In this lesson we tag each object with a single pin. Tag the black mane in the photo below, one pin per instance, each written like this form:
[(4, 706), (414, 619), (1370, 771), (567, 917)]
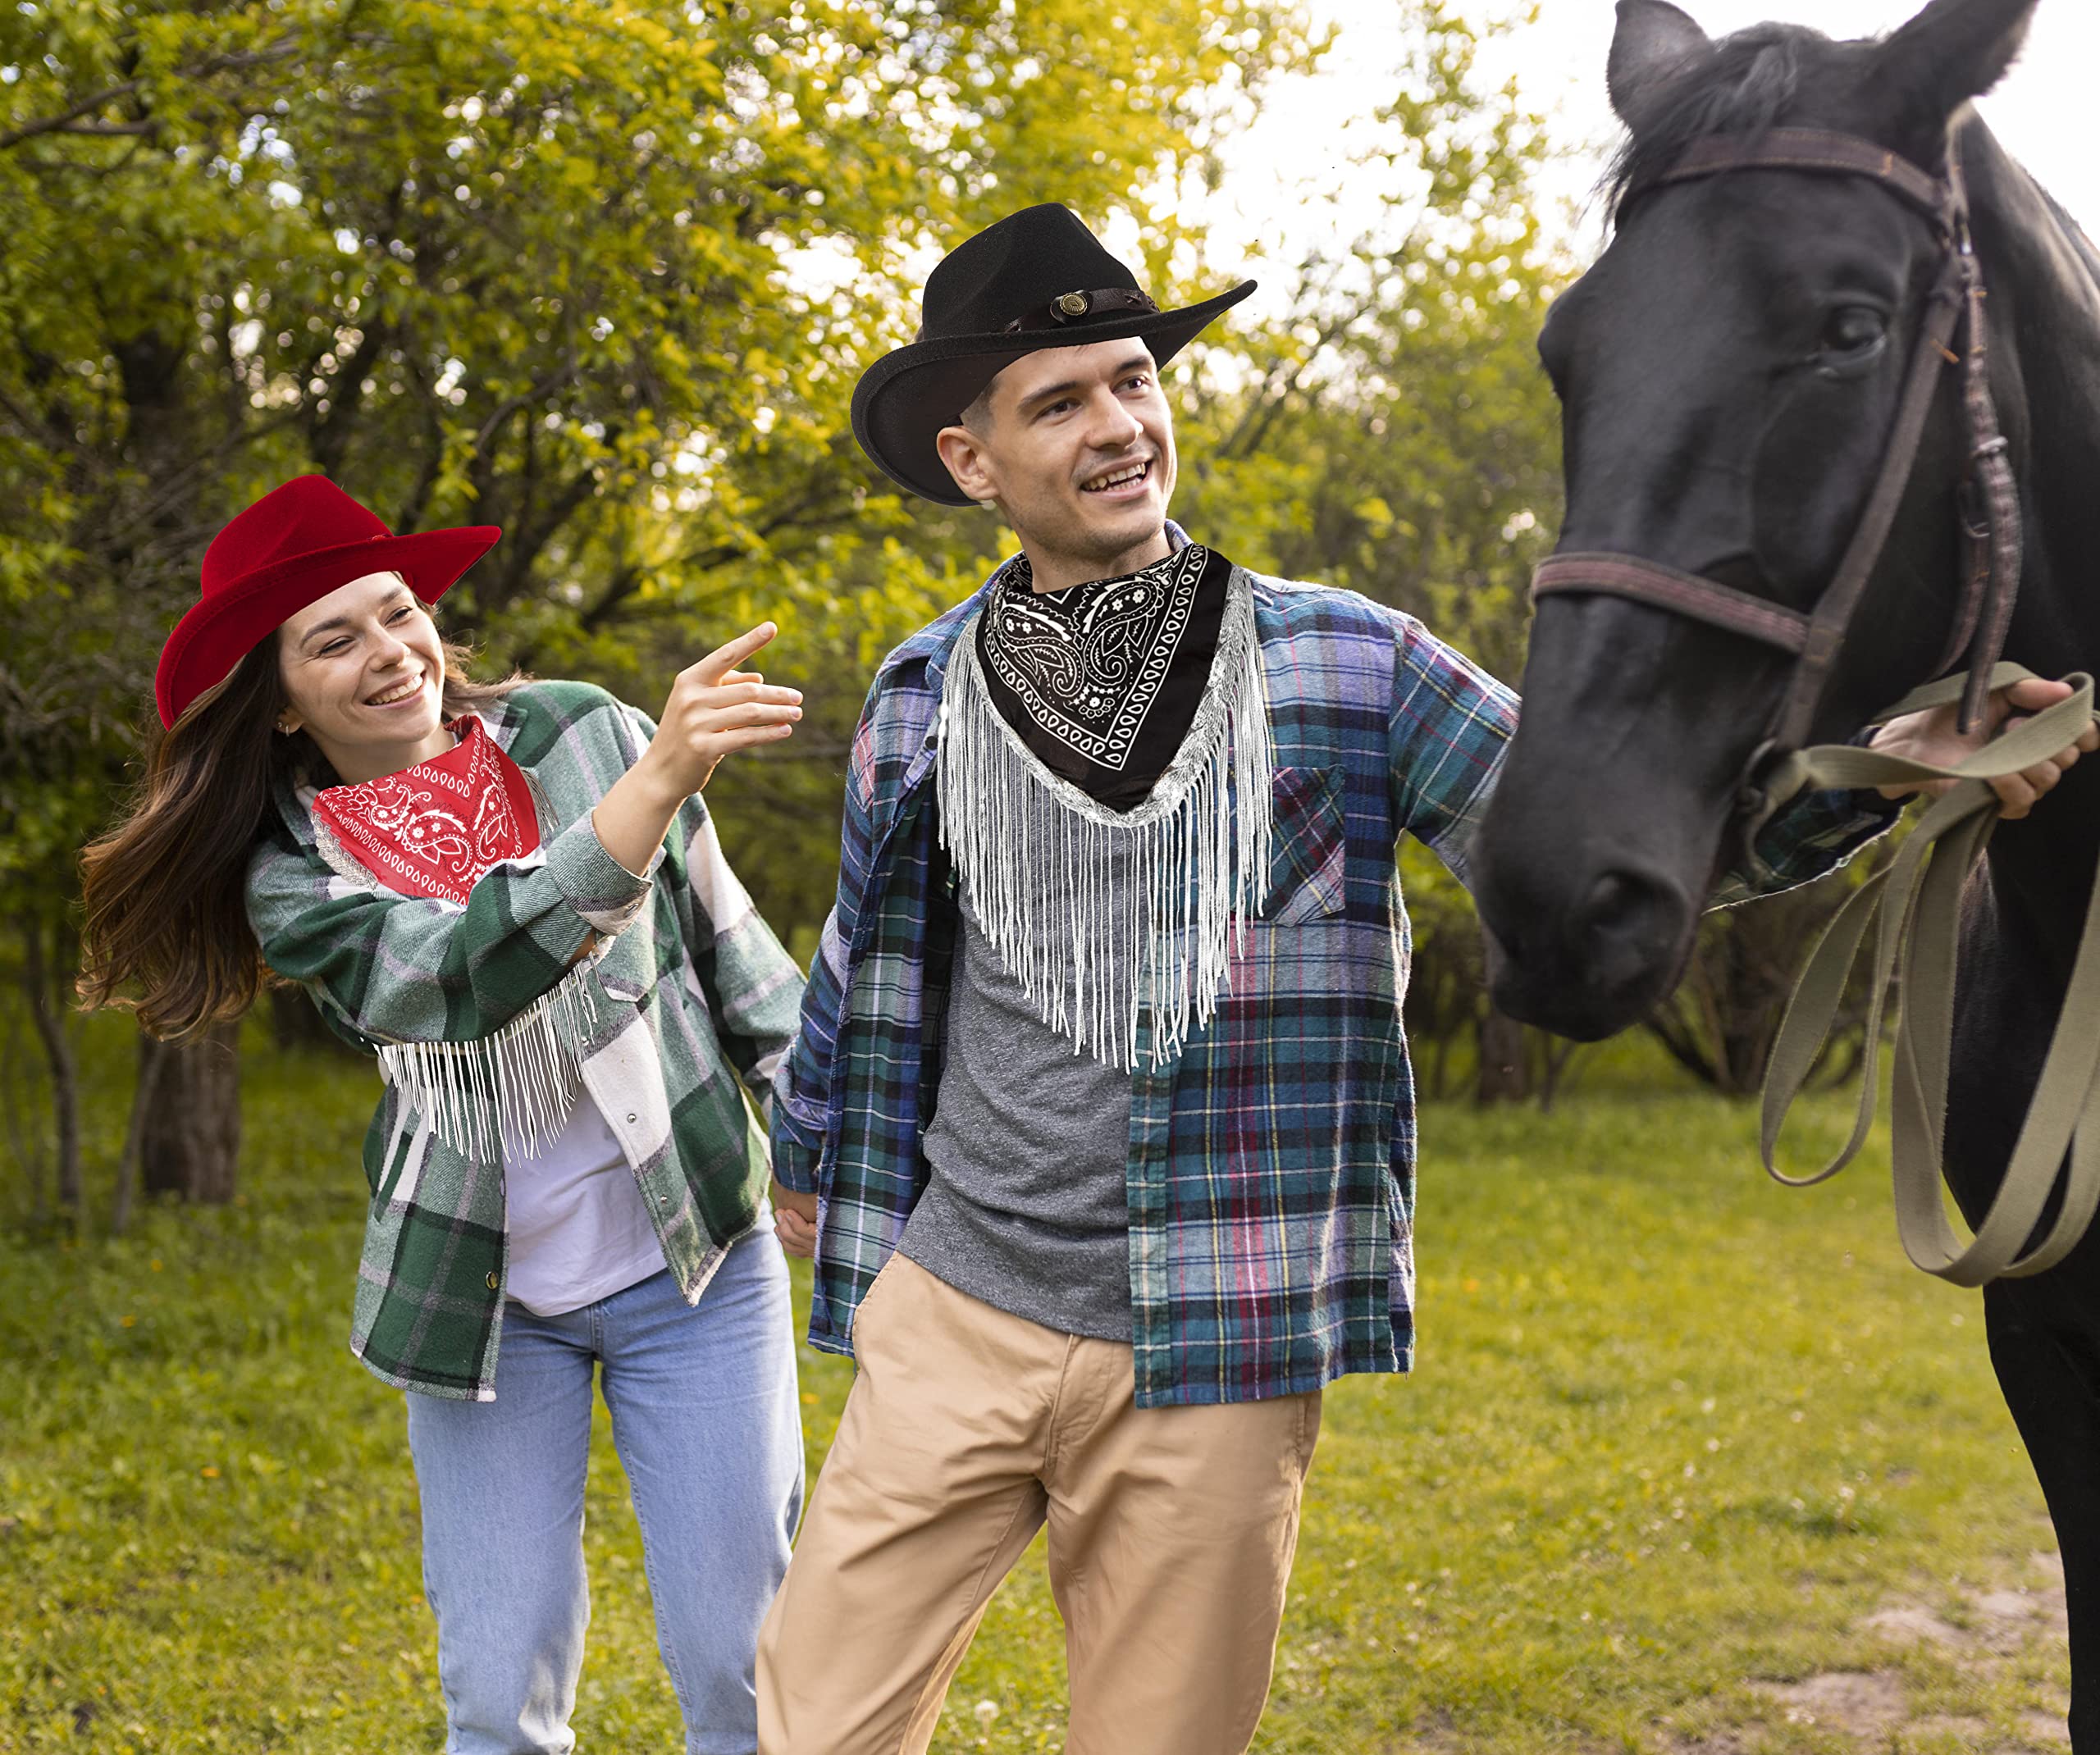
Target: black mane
[(1745, 84)]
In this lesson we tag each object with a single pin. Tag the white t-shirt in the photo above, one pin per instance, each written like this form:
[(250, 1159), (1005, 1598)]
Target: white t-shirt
[(579, 1230)]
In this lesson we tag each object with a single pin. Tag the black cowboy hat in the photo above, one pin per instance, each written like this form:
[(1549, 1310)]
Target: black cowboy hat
[(1036, 279)]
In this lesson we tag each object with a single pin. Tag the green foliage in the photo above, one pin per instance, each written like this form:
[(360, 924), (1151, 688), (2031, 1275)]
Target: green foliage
[(603, 275), (1390, 434), (607, 278), (1672, 1431), (1393, 433)]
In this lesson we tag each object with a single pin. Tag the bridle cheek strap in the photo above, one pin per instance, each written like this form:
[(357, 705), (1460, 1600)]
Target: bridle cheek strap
[(1999, 545), (1841, 599)]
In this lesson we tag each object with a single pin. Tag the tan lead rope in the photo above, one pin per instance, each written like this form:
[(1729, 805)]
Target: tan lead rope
[(1919, 900)]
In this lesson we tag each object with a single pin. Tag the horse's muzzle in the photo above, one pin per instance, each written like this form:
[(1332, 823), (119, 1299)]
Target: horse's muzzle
[(1584, 955)]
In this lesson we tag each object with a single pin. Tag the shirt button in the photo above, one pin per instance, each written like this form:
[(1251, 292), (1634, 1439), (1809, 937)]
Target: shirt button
[(494, 1283), (632, 1116)]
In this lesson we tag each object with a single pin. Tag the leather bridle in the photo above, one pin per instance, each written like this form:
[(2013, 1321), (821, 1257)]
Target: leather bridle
[(1919, 895), (1990, 506)]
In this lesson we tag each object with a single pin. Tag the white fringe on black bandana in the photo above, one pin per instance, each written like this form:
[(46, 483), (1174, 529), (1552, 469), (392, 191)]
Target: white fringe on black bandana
[(1040, 859)]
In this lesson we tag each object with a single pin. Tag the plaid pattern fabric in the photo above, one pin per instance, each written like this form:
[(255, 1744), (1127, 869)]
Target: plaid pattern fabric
[(1271, 1175), (694, 1001)]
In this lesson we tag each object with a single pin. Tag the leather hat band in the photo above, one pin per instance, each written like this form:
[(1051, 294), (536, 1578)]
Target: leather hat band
[(1080, 308)]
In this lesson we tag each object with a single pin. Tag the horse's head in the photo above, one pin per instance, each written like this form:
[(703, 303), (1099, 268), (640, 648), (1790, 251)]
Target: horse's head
[(1728, 371)]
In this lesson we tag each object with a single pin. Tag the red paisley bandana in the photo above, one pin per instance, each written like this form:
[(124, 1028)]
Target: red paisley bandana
[(433, 829)]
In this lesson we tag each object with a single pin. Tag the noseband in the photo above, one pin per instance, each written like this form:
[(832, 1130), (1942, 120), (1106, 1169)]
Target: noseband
[(1991, 539)]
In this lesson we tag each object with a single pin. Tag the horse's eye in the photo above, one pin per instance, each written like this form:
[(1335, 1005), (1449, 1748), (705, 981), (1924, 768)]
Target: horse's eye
[(1854, 331)]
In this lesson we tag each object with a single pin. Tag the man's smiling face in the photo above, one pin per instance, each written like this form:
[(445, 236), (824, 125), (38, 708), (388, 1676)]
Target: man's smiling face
[(1076, 445)]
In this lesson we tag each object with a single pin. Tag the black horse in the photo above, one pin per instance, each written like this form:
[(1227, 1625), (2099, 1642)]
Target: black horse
[(1730, 371)]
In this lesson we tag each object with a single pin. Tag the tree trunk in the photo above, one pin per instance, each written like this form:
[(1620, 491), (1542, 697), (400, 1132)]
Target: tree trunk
[(1504, 1077), (58, 1056), (189, 1134), (1440, 1053), (1555, 1055), (18, 1095), (296, 1023), (153, 1056)]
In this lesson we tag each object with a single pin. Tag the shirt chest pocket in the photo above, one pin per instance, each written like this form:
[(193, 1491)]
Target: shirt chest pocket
[(1308, 861)]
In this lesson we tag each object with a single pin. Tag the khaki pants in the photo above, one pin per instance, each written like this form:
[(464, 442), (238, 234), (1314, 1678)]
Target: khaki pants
[(1171, 1531)]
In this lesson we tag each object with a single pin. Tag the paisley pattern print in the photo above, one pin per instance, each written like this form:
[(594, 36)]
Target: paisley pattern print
[(434, 829), (1088, 664)]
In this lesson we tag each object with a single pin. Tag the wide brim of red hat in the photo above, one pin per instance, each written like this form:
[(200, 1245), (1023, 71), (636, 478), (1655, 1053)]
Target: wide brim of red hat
[(223, 629), (906, 397)]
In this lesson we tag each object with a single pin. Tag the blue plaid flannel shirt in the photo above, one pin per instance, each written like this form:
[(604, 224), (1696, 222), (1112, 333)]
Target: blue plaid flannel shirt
[(1271, 1165)]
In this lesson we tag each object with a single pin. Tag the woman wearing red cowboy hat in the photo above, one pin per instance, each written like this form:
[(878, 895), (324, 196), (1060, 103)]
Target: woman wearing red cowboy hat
[(512, 895)]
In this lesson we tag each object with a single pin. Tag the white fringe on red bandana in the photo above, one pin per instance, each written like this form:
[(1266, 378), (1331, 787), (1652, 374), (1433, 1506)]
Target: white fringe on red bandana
[(435, 830), (510, 1093)]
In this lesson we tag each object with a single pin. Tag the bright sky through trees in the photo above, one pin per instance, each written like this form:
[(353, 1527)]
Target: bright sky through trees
[(1289, 184)]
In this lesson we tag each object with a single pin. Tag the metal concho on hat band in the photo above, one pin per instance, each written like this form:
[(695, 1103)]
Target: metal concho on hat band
[(1072, 307)]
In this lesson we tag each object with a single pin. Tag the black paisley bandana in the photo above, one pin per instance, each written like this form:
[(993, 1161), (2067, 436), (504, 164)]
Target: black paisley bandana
[(1102, 682)]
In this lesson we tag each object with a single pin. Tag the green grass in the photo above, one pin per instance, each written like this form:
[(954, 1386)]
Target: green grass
[(1673, 1432)]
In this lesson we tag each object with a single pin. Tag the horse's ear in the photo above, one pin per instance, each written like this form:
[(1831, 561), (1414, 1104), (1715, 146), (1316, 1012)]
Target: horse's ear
[(1656, 43), (1951, 52)]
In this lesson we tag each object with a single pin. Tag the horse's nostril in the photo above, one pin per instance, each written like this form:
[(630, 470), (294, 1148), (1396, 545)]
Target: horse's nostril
[(1627, 912), (1588, 954), (1610, 898)]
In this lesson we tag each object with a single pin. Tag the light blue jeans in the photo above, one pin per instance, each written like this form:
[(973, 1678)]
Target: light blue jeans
[(709, 1430)]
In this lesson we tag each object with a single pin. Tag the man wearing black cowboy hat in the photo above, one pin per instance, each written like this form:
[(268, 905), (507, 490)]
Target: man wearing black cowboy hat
[(1099, 1121)]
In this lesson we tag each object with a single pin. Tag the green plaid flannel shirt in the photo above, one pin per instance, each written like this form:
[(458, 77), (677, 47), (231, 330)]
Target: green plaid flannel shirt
[(695, 1002)]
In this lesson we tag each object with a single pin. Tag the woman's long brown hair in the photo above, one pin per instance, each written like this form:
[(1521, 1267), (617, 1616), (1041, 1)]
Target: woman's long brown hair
[(166, 933)]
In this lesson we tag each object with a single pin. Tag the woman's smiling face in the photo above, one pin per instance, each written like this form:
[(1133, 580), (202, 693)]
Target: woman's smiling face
[(364, 670)]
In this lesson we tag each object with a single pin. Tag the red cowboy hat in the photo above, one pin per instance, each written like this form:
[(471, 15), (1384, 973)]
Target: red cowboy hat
[(291, 548)]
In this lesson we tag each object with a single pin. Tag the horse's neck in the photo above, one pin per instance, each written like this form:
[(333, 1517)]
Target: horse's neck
[(2043, 278), (2044, 310)]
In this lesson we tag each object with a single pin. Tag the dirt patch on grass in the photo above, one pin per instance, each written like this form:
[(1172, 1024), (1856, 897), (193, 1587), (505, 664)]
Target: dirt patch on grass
[(1865, 1704), (1994, 1624), (1867, 1709), (1907, 1624)]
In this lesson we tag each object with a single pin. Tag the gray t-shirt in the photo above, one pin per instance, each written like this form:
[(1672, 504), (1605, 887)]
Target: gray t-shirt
[(1026, 1209)]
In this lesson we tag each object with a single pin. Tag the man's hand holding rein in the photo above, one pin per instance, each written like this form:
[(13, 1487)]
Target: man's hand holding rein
[(1934, 737)]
